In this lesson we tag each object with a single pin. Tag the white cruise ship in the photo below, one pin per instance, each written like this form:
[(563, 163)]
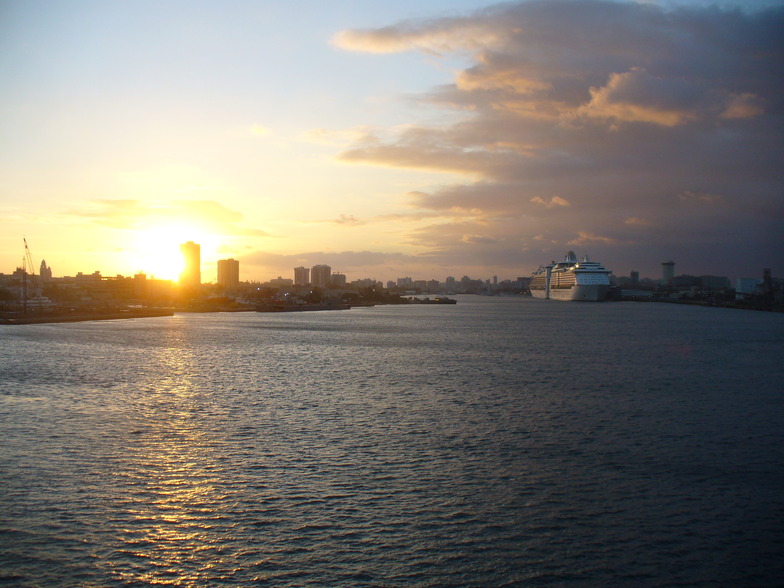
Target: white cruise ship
[(571, 280)]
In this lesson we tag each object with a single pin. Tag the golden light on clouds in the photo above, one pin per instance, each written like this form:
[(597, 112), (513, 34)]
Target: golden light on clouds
[(603, 122), (554, 201), (260, 131)]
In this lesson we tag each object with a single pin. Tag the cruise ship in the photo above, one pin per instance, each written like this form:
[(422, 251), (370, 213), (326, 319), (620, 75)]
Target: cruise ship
[(571, 280)]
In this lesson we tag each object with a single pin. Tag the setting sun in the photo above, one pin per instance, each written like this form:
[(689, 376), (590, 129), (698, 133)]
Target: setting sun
[(157, 250)]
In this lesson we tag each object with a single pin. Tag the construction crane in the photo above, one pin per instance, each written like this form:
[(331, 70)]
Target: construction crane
[(27, 263), (27, 268)]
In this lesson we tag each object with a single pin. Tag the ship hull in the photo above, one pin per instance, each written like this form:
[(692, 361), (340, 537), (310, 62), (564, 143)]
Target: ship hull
[(588, 293), (541, 294)]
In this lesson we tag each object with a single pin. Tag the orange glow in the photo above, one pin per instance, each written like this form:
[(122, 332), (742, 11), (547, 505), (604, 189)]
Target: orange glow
[(157, 250)]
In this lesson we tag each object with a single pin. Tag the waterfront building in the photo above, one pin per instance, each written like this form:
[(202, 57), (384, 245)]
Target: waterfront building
[(46, 271), (301, 276), (684, 282), (338, 280), (668, 272), (228, 273), (191, 274), (320, 275), (366, 283), (715, 283), (745, 287), (280, 282)]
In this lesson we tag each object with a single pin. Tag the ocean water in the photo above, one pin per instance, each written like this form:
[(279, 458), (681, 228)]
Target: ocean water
[(498, 442)]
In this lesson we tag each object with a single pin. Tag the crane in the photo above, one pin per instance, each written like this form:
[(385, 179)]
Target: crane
[(27, 263), (27, 267)]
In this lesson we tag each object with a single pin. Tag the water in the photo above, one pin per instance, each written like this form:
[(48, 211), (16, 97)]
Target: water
[(496, 442)]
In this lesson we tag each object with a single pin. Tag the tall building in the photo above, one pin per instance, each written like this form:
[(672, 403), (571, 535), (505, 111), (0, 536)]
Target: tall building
[(668, 272), (320, 275), (301, 276), (46, 271), (191, 273), (228, 273)]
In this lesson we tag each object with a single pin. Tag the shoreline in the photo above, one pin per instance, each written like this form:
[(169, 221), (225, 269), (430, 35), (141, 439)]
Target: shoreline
[(83, 317)]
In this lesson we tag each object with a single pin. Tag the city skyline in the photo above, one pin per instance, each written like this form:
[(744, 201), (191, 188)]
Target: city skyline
[(460, 138), (228, 274), (186, 267)]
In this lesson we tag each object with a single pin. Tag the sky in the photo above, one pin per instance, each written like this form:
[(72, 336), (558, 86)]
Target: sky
[(392, 139)]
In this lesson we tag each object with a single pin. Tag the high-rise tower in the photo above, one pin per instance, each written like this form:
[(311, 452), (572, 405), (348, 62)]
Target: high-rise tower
[(668, 272), (320, 275), (228, 273), (301, 276), (191, 273)]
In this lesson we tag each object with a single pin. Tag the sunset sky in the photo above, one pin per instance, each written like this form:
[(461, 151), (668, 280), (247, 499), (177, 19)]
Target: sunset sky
[(390, 139)]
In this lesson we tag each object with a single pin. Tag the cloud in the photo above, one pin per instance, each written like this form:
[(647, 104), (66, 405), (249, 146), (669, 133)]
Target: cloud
[(355, 264), (434, 36), (260, 131), (348, 220), (479, 240), (324, 136), (658, 128), (636, 96), (129, 214), (554, 201), (585, 238), (433, 263), (743, 106), (690, 197)]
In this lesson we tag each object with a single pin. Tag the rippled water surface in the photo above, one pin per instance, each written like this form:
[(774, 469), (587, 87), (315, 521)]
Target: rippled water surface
[(496, 442)]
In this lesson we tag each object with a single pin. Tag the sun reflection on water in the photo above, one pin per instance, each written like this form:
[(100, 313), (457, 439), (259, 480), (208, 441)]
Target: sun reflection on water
[(172, 495)]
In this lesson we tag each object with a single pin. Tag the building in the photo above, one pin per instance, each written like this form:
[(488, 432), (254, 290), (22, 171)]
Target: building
[(338, 280), (301, 276), (280, 282), (668, 272), (714, 283), (366, 283), (191, 274), (46, 271), (320, 275), (745, 287), (228, 273)]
